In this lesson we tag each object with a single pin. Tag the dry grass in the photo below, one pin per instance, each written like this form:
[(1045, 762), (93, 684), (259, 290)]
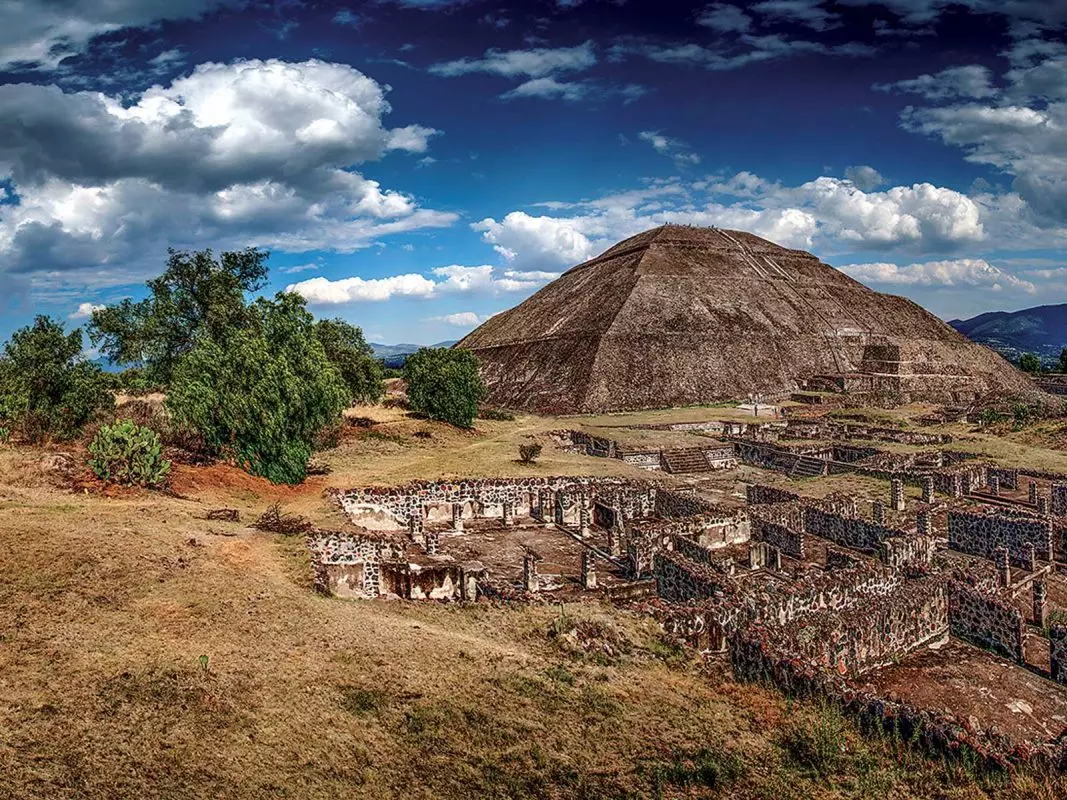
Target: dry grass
[(109, 604)]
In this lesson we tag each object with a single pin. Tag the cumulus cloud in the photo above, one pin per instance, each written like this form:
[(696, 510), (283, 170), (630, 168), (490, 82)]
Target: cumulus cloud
[(533, 63), (960, 272), (451, 279), (1017, 129), (252, 152), (85, 310), (462, 319), (864, 177), (832, 212), (41, 33)]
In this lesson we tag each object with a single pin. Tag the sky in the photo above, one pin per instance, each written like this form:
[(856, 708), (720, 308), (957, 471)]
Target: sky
[(415, 166)]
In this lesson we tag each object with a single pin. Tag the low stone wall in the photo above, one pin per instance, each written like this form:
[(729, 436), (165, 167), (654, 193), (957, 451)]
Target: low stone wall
[(350, 565), (680, 580), (671, 504), (985, 619), (787, 539), (907, 552), (983, 534), (846, 531), (1008, 478), (758, 494), (717, 527), (391, 507), (1057, 636)]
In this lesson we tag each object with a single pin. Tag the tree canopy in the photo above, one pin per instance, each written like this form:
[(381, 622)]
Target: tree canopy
[(261, 392), (1029, 362), (47, 387), (354, 359), (197, 296), (444, 385)]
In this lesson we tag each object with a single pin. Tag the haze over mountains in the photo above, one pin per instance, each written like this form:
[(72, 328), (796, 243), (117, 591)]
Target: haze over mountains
[(1041, 330)]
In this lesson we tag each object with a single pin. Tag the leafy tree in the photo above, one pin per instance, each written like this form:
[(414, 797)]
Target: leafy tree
[(1029, 362), (353, 358), (1062, 365), (197, 296), (47, 388), (444, 385), (260, 393)]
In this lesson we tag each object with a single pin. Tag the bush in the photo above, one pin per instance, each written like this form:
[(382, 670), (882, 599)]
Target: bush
[(496, 414), (1029, 362), (529, 453), (47, 388), (816, 739), (129, 454), (444, 385), (261, 394)]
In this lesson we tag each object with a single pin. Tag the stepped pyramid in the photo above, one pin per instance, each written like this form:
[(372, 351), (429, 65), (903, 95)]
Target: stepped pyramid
[(682, 315)]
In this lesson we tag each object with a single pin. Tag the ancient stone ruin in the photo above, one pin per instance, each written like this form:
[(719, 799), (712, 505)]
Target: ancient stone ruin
[(683, 315)]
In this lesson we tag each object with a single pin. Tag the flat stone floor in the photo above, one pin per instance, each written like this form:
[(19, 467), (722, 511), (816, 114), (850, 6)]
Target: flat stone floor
[(967, 681), (502, 550)]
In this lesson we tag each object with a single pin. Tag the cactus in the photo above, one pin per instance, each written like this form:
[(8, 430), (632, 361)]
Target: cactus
[(129, 454)]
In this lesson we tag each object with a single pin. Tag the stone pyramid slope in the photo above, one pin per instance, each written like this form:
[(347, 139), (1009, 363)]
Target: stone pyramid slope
[(682, 315)]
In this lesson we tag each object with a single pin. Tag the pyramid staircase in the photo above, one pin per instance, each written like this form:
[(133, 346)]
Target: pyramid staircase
[(691, 459), (808, 467)]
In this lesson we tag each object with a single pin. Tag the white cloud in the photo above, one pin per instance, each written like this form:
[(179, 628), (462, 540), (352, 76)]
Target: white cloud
[(809, 13), (41, 33), (462, 319), (322, 291), (550, 88), (733, 53), (85, 310), (959, 272), (534, 63), (451, 279), (968, 81), (674, 148), (864, 177), (255, 152), (832, 212), (725, 18)]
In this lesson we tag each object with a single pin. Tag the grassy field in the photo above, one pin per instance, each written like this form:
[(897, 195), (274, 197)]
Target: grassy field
[(147, 652)]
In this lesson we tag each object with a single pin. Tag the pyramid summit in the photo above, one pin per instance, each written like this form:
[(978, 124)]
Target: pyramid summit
[(681, 315)]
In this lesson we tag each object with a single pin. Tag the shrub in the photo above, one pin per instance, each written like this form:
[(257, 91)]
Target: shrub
[(129, 454), (444, 385), (261, 394), (47, 388), (529, 453), (816, 739), (1029, 362), (496, 414)]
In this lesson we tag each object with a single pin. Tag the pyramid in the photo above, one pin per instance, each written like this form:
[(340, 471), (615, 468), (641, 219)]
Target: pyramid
[(683, 315)]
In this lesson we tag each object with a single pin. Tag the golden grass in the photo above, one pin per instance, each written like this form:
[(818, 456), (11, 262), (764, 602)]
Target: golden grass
[(108, 603)]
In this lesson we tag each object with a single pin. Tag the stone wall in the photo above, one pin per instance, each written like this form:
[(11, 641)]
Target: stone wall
[(350, 565), (846, 531), (1009, 478), (391, 507), (787, 539), (907, 552), (985, 619), (681, 580), (758, 494), (982, 534), (1057, 635), (718, 526)]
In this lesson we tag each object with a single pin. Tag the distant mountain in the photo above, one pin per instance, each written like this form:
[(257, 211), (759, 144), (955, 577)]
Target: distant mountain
[(1041, 330), (394, 355)]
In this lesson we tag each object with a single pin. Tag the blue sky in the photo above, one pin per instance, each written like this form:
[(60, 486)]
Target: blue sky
[(415, 166)]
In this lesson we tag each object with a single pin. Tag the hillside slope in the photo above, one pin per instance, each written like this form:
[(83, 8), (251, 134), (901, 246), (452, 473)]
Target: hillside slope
[(1041, 330)]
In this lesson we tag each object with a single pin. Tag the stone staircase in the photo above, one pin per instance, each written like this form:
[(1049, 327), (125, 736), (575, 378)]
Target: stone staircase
[(808, 467), (691, 459)]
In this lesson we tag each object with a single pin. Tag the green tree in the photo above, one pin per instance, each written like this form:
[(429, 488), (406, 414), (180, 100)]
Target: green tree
[(1029, 362), (47, 387), (444, 385), (353, 358), (260, 393), (1062, 365), (197, 296)]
